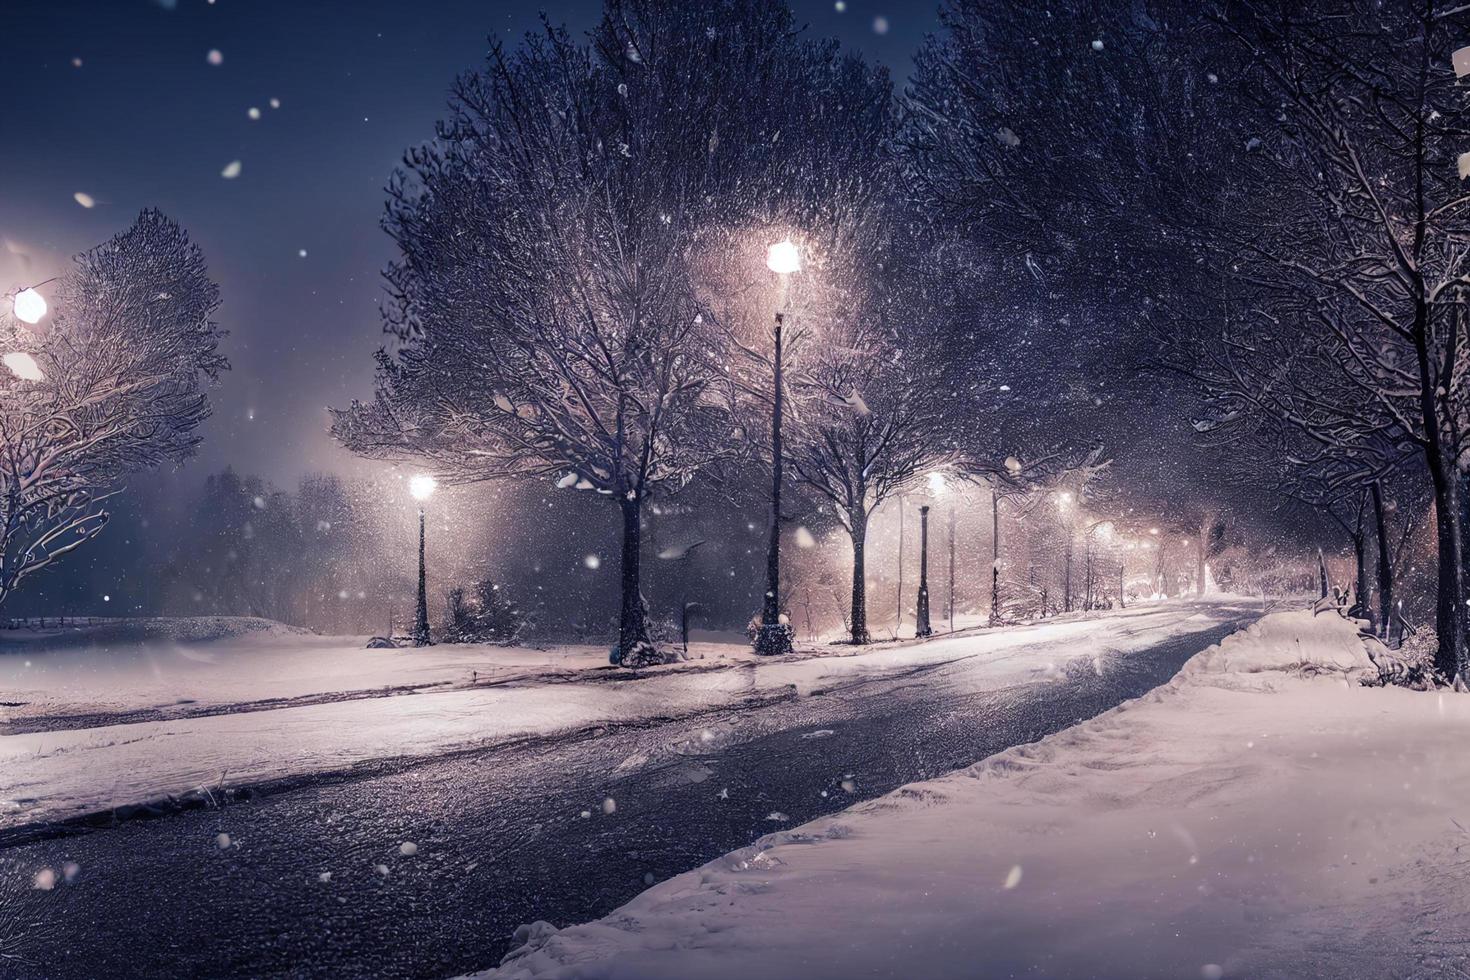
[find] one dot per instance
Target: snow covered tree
(114, 386)
(871, 428)
(1353, 239)
(546, 293)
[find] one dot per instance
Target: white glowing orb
(937, 483)
(422, 486)
(783, 258)
(23, 366)
(30, 305)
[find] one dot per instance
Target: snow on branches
(122, 371)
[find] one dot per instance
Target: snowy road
(315, 882)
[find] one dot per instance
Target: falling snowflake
(231, 171)
(215, 57)
(84, 199)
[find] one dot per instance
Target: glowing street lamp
(29, 305)
(421, 486)
(782, 258)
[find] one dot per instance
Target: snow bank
(1262, 815)
(122, 631)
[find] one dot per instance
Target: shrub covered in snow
(487, 615)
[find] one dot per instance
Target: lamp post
(422, 487)
(774, 638)
(939, 487)
(921, 626)
(1064, 504)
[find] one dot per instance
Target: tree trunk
(1362, 600)
(1322, 572)
(858, 522)
(1200, 554)
(1385, 568)
(634, 647)
(1449, 618)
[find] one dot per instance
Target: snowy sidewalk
(51, 775)
(1244, 820)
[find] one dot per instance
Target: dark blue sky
(146, 120)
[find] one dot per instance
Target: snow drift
(1262, 815)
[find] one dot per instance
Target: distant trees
(114, 386)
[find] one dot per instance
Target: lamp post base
(923, 628)
(774, 639)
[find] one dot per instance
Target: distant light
(937, 483)
(107, 598)
(301, 252)
(783, 258)
(30, 305)
(23, 366)
(231, 171)
(275, 103)
(215, 57)
(592, 561)
(1153, 530)
(76, 62)
(253, 112)
(84, 199)
(840, 6)
(422, 485)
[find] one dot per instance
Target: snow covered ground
(466, 697)
(1250, 819)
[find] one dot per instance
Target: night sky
(145, 119)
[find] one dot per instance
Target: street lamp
(921, 626)
(29, 305)
(422, 486)
(782, 258)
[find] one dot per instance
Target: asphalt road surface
(513, 834)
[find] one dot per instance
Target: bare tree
(114, 386)
(1355, 239)
(871, 427)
